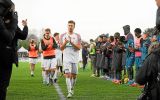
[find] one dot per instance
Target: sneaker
(117, 82)
(69, 95)
(101, 76)
(130, 82)
(32, 75)
(55, 80)
(114, 80)
(72, 91)
(133, 85)
(141, 86)
(93, 75)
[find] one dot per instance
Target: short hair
(48, 29)
(55, 34)
(138, 30)
(91, 40)
(111, 38)
(71, 21)
(117, 35)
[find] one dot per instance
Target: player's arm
(76, 46)
(44, 47)
(63, 45)
(54, 44)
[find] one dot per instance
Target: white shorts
(70, 68)
(32, 60)
(49, 63)
(59, 62)
(42, 63)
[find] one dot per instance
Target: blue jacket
(144, 49)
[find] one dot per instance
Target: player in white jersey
(58, 54)
(70, 45)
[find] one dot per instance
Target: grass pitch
(25, 87)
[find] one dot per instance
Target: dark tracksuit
(84, 57)
(98, 57)
(117, 60)
(102, 59)
(130, 57)
(8, 52)
(108, 59)
(144, 48)
(148, 74)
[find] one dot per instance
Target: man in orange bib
(33, 55)
(49, 45)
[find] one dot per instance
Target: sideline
(59, 91)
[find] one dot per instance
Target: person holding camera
(33, 55)
(149, 74)
(118, 50)
(9, 35)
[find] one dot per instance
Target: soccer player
(70, 44)
(130, 55)
(42, 65)
(49, 45)
(145, 45)
(33, 54)
(58, 54)
(137, 43)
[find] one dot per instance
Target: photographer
(149, 74)
(9, 35)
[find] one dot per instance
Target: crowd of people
(112, 57)
(119, 58)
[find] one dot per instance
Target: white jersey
(70, 54)
(58, 51)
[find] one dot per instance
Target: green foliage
(23, 43)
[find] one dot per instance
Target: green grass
(24, 87)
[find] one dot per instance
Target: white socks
(73, 82)
(32, 72)
(47, 78)
(68, 83)
(55, 74)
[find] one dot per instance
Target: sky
(92, 17)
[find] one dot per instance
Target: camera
(6, 6)
(32, 41)
(146, 93)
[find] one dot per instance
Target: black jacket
(8, 44)
(158, 19)
(149, 72)
(22, 35)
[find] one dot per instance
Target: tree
(31, 35)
